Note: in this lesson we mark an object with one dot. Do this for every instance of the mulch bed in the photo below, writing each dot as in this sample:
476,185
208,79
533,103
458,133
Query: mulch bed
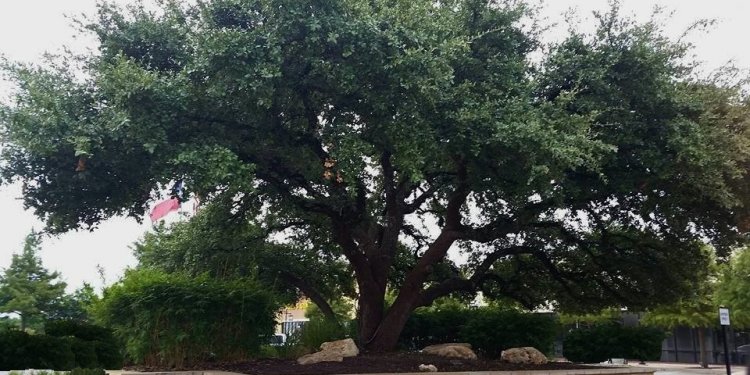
374,363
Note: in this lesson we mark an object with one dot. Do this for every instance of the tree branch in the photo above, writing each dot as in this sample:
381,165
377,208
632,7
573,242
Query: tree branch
310,292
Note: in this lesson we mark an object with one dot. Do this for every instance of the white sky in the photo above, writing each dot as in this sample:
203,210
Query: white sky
28,28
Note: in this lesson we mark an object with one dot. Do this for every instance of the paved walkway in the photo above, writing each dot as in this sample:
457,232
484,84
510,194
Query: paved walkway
670,368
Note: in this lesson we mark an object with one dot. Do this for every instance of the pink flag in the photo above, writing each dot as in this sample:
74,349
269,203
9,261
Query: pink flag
164,207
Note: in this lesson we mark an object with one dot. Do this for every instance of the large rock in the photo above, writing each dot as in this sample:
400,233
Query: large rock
460,350
345,347
526,355
333,351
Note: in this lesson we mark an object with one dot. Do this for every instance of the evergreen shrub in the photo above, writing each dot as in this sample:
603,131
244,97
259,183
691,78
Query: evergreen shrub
488,329
492,330
20,350
602,342
106,348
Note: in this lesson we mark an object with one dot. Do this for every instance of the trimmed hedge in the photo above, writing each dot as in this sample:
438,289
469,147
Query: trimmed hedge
602,342
94,346
20,350
489,330
87,371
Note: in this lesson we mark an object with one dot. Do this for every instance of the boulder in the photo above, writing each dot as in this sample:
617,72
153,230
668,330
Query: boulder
453,350
333,351
525,355
427,368
345,347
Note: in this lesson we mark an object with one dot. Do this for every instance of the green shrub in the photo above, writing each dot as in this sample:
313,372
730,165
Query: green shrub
84,352
99,347
81,330
491,330
174,320
320,330
109,354
20,350
435,326
602,342
87,371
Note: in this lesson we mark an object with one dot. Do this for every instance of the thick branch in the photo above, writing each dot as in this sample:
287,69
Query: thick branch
481,273
310,292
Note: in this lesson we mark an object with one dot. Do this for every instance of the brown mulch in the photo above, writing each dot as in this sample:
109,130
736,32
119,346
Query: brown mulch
375,363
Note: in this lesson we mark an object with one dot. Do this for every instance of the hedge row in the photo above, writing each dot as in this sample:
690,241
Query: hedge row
602,342
20,350
488,330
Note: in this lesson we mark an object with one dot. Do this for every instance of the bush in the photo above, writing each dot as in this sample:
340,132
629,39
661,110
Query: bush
435,326
602,342
20,350
489,330
81,330
320,330
172,320
107,352
84,352
87,371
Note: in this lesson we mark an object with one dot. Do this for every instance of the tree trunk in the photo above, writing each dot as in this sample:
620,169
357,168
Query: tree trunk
23,323
369,316
389,330
702,346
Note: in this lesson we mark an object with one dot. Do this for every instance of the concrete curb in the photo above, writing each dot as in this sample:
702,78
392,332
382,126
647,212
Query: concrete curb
598,371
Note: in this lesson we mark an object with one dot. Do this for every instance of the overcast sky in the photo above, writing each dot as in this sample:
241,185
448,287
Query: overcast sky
28,28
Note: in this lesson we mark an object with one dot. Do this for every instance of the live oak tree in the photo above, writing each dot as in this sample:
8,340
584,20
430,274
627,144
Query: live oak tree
387,133
27,288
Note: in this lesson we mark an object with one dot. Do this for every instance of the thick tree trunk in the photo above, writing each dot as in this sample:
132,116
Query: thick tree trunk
390,328
369,316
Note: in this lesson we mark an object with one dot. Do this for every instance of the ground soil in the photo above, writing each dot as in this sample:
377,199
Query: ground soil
374,363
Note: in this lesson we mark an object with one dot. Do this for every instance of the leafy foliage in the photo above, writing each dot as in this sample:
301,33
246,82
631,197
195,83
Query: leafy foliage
175,320
602,342
27,288
384,133
20,350
320,330
226,246
489,330
87,371
76,306
107,350
733,290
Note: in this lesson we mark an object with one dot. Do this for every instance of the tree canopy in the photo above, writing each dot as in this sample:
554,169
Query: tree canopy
733,289
27,288
386,133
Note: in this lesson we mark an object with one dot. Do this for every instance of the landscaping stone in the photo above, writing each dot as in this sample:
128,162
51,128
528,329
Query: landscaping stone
451,350
427,368
525,355
333,351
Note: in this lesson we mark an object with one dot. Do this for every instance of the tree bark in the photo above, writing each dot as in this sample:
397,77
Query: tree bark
370,316
390,328
702,347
